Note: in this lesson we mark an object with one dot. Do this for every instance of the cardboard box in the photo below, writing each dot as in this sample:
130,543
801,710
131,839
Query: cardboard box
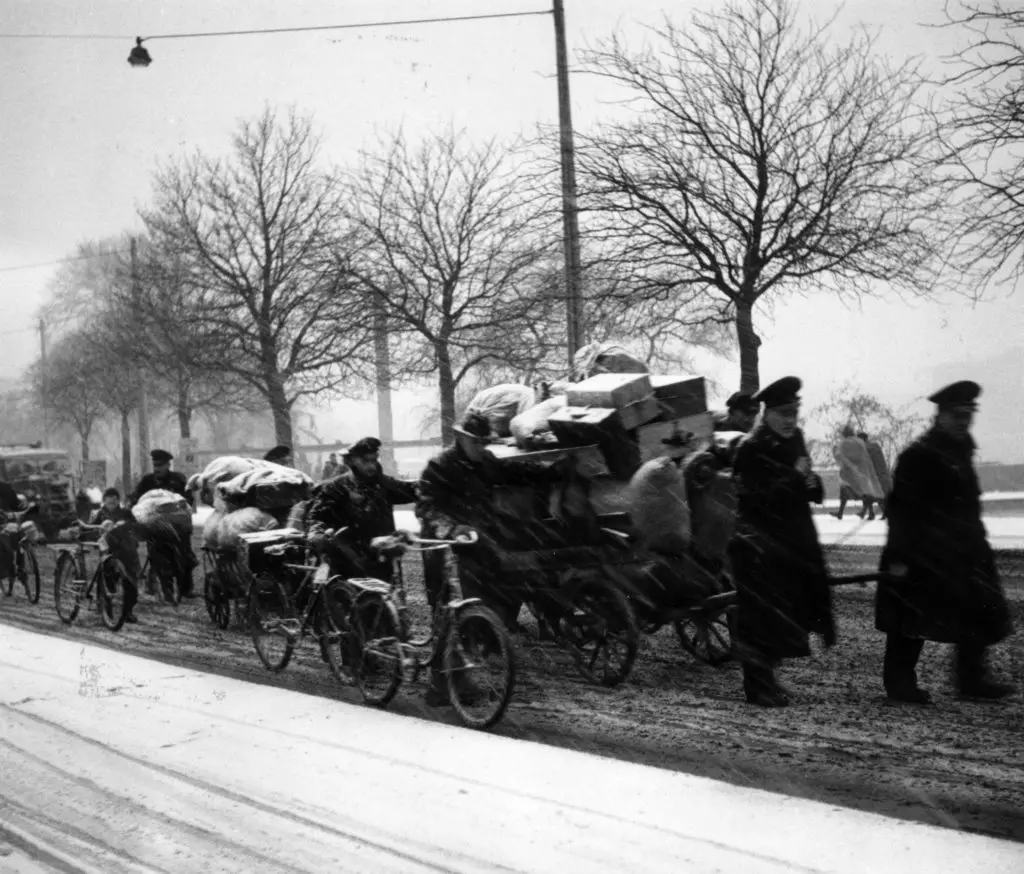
648,437
638,413
610,390
680,395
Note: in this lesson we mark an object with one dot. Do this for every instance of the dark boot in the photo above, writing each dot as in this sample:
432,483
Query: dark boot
972,677
899,672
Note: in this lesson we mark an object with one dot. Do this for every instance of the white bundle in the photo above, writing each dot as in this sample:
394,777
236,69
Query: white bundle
531,427
658,507
160,512
500,404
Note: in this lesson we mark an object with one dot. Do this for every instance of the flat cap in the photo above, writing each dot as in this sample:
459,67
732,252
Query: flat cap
741,400
958,394
475,425
366,446
781,393
160,455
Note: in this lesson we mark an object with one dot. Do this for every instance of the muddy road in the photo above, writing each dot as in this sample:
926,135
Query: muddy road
958,764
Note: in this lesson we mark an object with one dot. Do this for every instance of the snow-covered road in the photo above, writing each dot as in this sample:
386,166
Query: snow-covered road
111,763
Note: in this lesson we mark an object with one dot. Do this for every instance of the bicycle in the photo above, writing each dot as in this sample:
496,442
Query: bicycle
109,580
279,618
24,564
466,638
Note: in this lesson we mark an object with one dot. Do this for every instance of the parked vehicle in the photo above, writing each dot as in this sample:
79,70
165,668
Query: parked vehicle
44,478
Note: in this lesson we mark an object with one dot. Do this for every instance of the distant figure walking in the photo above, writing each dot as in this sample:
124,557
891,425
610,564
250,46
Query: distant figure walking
856,474
877,456
331,467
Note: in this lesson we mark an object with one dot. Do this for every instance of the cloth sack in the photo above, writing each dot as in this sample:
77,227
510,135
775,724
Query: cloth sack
657,503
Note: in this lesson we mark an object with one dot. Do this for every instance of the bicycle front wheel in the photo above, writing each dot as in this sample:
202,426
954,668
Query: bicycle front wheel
272,622
113,588
68,585
479,663
377,665
29,574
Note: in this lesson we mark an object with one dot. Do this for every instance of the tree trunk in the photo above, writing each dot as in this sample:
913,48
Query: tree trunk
280,409
84,441
385,421
446,388
184,413
126,454
749,343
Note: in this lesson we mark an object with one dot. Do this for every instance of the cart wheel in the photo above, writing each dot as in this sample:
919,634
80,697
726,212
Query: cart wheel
215,596
601,633
334,632
708,638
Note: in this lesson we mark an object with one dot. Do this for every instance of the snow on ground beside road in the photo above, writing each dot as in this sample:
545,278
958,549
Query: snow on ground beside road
116,764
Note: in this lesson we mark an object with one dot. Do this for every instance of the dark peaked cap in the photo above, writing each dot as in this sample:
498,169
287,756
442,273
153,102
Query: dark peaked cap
958,394
780,393
160,455
741,400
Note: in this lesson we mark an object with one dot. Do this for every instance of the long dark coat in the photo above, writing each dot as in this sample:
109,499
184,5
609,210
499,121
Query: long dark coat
777,562
952,591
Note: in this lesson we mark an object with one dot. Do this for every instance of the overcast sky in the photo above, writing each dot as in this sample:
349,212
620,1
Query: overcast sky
82,132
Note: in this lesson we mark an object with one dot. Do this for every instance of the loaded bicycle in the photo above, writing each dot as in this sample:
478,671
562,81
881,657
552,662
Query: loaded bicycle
466,640
72,582
291,596
225,582
22,535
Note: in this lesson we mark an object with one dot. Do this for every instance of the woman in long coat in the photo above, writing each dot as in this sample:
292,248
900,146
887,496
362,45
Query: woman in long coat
942,583
778,566
856,473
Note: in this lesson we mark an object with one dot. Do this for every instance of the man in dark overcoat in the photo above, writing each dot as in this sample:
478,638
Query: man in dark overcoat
941,579
778,566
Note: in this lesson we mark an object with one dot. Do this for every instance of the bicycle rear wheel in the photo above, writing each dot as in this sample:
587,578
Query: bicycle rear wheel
68,585
112,586
272,622
29,573
163,574
377,663
479,665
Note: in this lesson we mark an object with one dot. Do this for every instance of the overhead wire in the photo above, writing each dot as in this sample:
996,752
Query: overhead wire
269,30
63,261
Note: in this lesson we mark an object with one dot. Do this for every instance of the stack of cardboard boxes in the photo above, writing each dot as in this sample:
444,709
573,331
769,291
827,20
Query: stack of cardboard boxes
614,422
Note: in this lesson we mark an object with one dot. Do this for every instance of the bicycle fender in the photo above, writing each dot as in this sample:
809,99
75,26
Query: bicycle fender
462,603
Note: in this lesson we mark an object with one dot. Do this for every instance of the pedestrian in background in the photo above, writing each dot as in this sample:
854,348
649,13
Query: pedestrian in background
941,582
856,474
881,466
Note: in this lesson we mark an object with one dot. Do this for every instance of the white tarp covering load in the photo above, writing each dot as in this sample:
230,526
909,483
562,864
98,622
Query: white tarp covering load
272,487
220,470
531,429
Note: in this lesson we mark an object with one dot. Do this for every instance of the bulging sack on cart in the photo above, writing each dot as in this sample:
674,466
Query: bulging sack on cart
211,530
500,404
531,428
161,513
657,503
273,487
596,358
245,521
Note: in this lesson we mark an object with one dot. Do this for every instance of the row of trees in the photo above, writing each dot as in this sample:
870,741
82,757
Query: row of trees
754,156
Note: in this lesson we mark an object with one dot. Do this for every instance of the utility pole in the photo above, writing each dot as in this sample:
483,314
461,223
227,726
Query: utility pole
385,421
143,412
570,213
46,381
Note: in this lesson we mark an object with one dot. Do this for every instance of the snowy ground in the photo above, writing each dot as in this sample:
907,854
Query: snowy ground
114,763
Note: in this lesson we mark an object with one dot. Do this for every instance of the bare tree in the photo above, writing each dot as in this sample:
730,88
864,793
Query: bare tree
984,128
70,385
257,236
761,158
451,249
